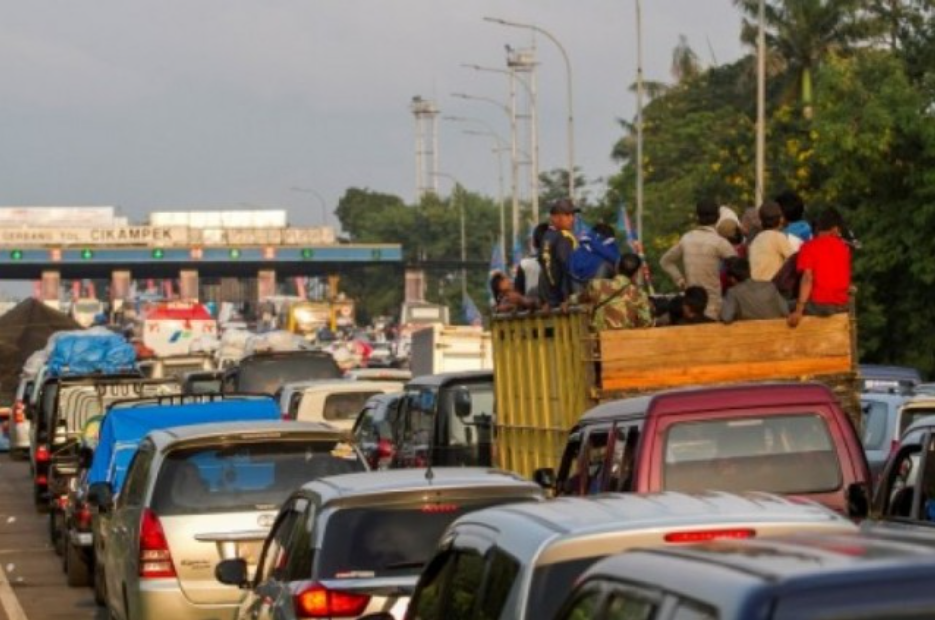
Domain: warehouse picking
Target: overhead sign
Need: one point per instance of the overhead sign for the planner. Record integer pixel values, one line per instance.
(162, 237)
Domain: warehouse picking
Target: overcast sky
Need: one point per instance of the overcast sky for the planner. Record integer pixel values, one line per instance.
(170, 104)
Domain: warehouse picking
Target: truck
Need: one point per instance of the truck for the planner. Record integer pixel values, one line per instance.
(305, 318)
(170, 328)
(549, 369)
(441, 349)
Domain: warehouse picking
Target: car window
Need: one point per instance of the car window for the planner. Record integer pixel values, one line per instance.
(298, 565)
(569, 475)
(690, 610)
(552, 582)
(428, 598)
(875, 417)
(909, 415)
(466, 431)
(265, 375)
(274, 559)
(295, 400)
(585, 606)
(777, 453)
(464, 585)
(345, 406)
(502, 570)
(245, 476)
(627, 606)
(623, 459)
(594, 460)
(134, 487)
(899, 485)
(364, 430)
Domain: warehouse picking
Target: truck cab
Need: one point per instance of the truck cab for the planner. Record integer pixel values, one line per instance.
(792, 439)
(446, 420)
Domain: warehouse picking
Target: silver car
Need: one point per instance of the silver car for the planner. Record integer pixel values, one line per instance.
(20, 426)
(351, 545)
(197, 494)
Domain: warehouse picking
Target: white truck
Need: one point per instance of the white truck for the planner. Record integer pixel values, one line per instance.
(440, 348)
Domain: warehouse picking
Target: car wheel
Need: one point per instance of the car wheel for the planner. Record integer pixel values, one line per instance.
(76, 567)
(100, 591)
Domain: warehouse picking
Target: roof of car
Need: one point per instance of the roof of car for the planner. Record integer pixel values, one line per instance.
(890, 398)
(167, 438)
(344, 385)
(920, 400)
(448, 377)
(880, 371)
(402, 481)
(809, 560)
(696, 398)
(525, 527)
(922, 423)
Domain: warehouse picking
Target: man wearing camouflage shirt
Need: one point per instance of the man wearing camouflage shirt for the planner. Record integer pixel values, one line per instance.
(619, 303)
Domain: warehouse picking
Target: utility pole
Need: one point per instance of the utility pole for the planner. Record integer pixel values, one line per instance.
(639, 122)
(761, 107)
(426, 114)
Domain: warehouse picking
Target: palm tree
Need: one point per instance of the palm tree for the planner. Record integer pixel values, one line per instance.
(803, 32)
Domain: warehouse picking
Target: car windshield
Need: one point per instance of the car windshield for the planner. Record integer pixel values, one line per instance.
(246, 475)
(776, 454)
(875, 418)
(203, 386)
(551, 584)
(376, 541)
(268, 375)
(910, 415)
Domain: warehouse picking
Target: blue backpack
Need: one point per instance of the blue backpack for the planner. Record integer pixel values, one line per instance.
(593, 251)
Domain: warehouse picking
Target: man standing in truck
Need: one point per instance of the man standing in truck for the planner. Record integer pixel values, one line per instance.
(825, 266)
(555, 283)
(700, 251)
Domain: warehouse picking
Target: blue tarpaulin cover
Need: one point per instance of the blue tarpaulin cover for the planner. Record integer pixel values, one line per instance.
(88, 353)
(123, 429)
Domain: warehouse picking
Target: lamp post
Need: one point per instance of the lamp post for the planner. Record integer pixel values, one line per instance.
(454, 197)
(569, 92)
(761, 105)
(514, 159)
(321, 200)
(639, 122)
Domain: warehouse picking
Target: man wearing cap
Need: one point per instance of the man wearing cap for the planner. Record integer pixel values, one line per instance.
(771, 248)
(555, 283)
(700, 251)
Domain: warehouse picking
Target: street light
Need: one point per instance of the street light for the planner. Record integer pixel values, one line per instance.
(639, 123)
(761, 105)
(569, 93)
(321, 200)
(454, 195)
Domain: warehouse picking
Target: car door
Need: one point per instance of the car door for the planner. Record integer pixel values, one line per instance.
(280, 561)
(121, 551)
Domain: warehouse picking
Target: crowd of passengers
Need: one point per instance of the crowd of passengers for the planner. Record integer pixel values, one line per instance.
(771, 263)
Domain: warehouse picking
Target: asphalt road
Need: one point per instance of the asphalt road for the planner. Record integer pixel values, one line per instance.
(31, 577)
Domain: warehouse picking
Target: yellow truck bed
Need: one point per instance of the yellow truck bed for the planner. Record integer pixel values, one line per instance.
(550, 369)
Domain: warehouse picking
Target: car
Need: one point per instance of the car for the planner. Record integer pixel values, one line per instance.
(19, 424)
(907, 482)
(378, 374)
(888, 379)
(336, 402)
(446, 420)
(914, 408)
(798, 577)
(373, 429)
(881, 431)
(267, 373)
(345, 546)
(195, 495)
(207, 382)
(534, 553)
(784, 438)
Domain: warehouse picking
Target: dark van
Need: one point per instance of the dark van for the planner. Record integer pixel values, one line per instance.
(266, 373)
(785, 438)
(446, 420)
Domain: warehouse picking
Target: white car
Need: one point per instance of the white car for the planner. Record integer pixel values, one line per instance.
(336, 402)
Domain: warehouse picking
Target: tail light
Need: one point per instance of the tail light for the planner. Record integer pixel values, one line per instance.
(42, 454)
(317, 601)
(62, 501)
(706, 535)
(385, 449)
(155, 559)
(82, 517)
(19, 412)
(42, 480)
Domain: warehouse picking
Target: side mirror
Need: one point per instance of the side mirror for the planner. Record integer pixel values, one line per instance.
(232, 572)
(100, 494)
(544, 477)
(462, 400)
(858, 501)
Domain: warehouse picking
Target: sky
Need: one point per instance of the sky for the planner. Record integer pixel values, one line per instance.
(199, 104)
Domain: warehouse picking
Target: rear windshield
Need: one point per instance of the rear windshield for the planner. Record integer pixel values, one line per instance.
(346, 406)
(203, 386)
(777, 454)
(911, 415)
(551, 585)
(245, 476)
(377, 542)
(875, 418)
(267, 376)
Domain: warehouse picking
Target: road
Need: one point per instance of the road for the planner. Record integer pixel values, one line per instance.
(31, 577)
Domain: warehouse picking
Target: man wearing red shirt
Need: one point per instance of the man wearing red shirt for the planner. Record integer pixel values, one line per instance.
(825, 265)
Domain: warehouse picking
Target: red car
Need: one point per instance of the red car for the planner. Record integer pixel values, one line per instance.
(791, 439)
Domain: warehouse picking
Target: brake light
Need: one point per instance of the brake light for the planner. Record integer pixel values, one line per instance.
(385, 449)
(42, 454)
(42, 480)
(83, 517)
(62, 501)
(706, 535)
(317, 601)
(439, 508)
(19, 412)
(155, 559)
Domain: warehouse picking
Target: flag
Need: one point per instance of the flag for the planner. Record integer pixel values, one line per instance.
(497, 261)
(472, 315)
(624, 224)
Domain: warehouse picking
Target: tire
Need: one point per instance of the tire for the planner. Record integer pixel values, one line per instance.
(77, 571)
(100, 585)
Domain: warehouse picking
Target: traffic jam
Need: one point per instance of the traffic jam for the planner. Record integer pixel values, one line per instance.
(266, 481)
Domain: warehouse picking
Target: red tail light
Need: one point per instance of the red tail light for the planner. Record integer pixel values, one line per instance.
(439, 508)
(155, 559)
(317, 601)
(42, 480)
(62, 501)
(385, 449)
(706, 535)
(42, 454)
(83, 517)
(19, 412)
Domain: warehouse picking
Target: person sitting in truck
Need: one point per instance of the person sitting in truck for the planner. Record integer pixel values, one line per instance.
(825, 266)
(793, 212)
(748, 299)
(700, 251)
(555, 283)
(619, 303)
(596, 256)
(527, 274)
(771, 248)
(505, 297)
(694, 302)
